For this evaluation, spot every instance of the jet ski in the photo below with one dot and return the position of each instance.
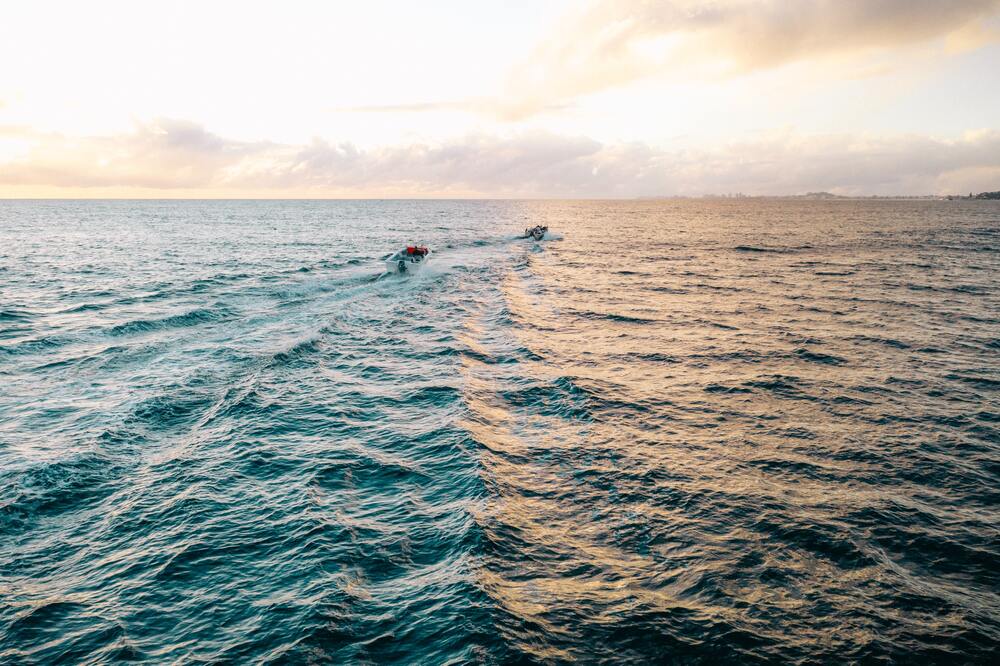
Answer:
(537, 232)
(407, 259)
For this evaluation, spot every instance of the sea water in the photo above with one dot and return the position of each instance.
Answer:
(680, 431)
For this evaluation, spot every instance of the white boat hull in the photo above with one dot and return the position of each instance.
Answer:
(401, 262)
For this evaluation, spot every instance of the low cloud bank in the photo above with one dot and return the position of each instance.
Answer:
(172, 156)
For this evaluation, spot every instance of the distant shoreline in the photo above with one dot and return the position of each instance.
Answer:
(811, 196)
(828, 196)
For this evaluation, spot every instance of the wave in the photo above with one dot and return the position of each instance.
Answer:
(784, 385)
(36, 345)
(761, 249)
(49, 488)
(87, 632)
(561, 397)
(196, 317)
(300, 353)
(817, 357)
(610, 316)
(15, 315)
(170, 410)
(86, 307)
(975, 380)
(888, 342)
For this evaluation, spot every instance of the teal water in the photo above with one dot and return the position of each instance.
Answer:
(680, 432)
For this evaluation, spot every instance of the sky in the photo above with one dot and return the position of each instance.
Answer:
(515, 98)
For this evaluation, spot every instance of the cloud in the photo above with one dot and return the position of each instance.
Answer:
(483, 106)
(416, 107)
(163, 155)
(174, 158)
(615, 42)
(848, 164)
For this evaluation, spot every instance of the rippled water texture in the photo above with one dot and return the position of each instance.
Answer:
(686, 431)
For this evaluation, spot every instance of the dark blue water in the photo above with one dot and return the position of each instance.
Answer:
(695, 431)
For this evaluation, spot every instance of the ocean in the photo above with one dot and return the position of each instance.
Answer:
(692, 431)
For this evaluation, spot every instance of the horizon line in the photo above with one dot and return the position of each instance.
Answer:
(697, 197)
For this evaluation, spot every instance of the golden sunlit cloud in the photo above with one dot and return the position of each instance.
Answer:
(615, 42)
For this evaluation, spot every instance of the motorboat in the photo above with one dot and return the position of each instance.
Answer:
(537, 232)
(409, 258)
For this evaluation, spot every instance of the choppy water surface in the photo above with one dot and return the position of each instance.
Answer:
(686, 431)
